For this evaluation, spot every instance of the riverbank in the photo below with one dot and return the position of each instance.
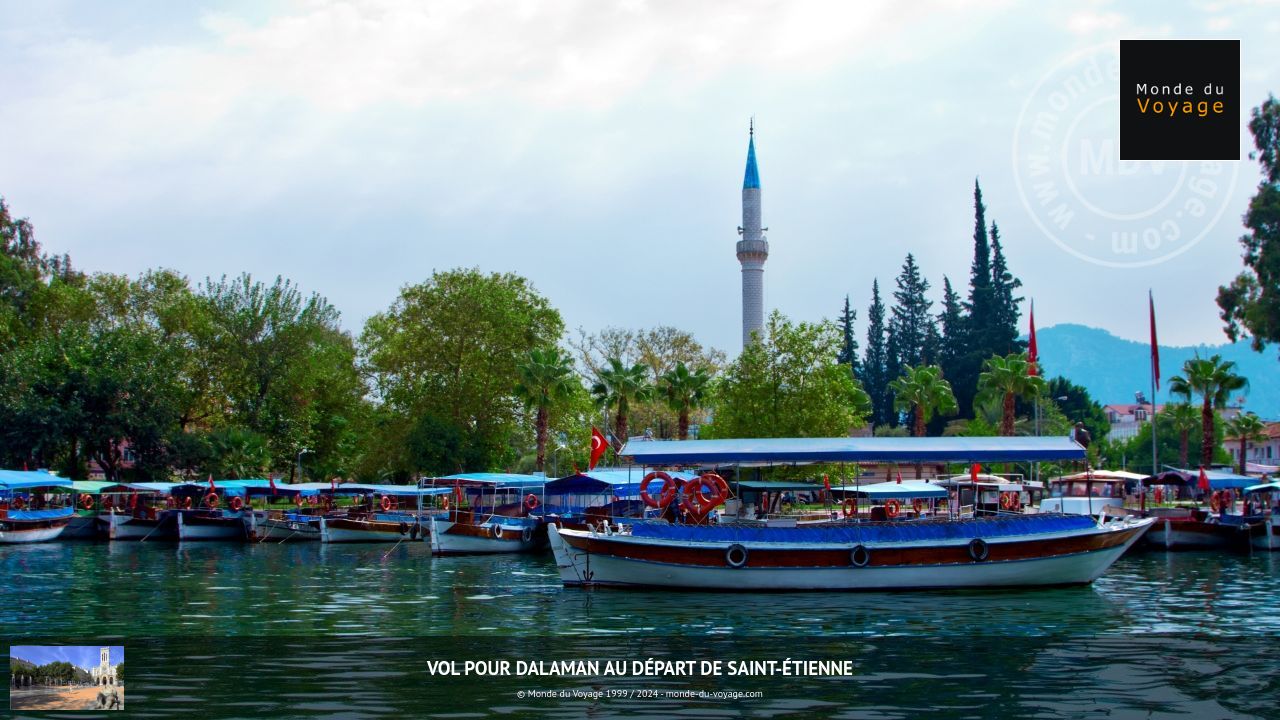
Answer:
(63, 698)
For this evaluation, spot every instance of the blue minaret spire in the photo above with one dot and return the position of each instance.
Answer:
(753, 248)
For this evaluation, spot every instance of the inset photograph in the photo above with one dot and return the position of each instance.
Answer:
(66, 677)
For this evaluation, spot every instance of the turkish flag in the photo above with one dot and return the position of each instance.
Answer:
(826, 483)
(1155, 348)
(598, 445)
(271, 480)
(973, 472)
(1033, 355)
(899, 477)
(1204, 480)
(212, 487)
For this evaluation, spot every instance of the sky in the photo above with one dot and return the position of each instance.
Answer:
(82, 656)
(598, 148)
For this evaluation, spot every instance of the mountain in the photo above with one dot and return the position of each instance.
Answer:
(1113, 368)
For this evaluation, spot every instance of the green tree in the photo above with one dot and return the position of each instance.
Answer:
(546, 378)
(1244, 429)
(789, 384)
(1251, 303)
(1003, 325)
(617, 386)
(923, 391)
(982, 301)
(1075, 403)
(450, 348)
(849, 344)
(1183, 418)
(1214, 380)
(912, 316)
(1005, 379)
(875, 363)
(684, 391)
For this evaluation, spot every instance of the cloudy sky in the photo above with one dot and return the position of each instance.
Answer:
(598, 148)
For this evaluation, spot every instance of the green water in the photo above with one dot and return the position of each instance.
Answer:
(347, 631)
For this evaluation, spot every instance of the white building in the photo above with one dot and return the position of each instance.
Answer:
(105, 672)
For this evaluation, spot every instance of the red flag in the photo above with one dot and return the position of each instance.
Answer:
(1204, 480)
(1155, 348)
(973, 472)
(1033, 355)
(899, 476)
(212, 487)
(333, 483)
(598, 445)
(271, 480)
(826, 483)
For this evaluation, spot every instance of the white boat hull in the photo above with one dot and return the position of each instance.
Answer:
(514, 540)
(578, 568)
(332, 531)
(33, 535)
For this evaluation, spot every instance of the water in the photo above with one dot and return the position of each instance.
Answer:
(312, 630)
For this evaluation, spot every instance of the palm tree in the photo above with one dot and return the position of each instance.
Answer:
(1214, 380)
(616, 387)
(546, 377)
(922, 390)
(1005, 378)
(1183, 418)
(1246, 427)
(684, 391)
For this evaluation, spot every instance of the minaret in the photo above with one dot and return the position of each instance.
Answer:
(753, 249)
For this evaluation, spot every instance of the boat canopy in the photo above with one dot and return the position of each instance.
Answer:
(496, 479)
(908, 489)
(23, 479)
(90, 487)
(1218, 479)
(768, 486)
(395, 490)
(1264, 487)
(850, 449)
(617, 482)
(1102, 476)
(163, 488)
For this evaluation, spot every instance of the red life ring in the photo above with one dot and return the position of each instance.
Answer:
(297, 500)
(445, 498)
(386, 503)
(1215, 500)
(531, 502)
(719, 487)
(917, 505)
(18, 503)
(668, 489)
(892, 507)
(186, 503)
(170, 501)
(1159, 495)
(211, 500)
(1007, 500)
(236, 503)
(86, 501)
(850, 507)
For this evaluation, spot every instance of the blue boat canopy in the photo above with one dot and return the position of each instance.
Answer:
(497, 479)
(623, 484)
(1264, 487)
(395, 490)
(1218, 479)
(784, 451)
(23, 479)
(907, 489)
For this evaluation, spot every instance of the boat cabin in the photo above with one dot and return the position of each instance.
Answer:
(1093, 492)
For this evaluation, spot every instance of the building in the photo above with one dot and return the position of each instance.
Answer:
(1127, 419)
(1262, 455)
(105, 672)
(753, 248)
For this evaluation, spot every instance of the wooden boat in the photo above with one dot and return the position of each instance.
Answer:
(149, 513)
(1264, 501)
(1097, 493)
(86, 496)
(33, 506)
(1025, 550)
(489, 513)
(209, 524)
(382, 513)
(989, 550)
(1181, 527)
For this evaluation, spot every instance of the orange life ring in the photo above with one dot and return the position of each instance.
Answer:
(236, 503)
(211, 500)
(531, 502)
(186, 503)
(18, 503)
(386, 503)
(917, 505)
(850, 507)
(86, 501)
(668, 489)
(297, 500)
(719, 487)
(445, 503)
(892, 507)
(1215, 500)
(170, 501)
(1007, 500)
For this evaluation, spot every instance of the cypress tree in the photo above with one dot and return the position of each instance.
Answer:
(893, 366)
(849, 345)
(1003, 328)
(951, 322)
(981, 300)
(875, 360)
(912, 316)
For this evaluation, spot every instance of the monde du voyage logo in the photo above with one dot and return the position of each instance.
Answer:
(1180, 100)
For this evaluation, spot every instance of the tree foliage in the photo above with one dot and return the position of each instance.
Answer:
(923, 391)
(1214, 380)
(788, 384)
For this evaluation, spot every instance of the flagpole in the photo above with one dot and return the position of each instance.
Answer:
(1155, 371)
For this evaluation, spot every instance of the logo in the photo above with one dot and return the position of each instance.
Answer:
(1092, 202)
(1180, 99)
